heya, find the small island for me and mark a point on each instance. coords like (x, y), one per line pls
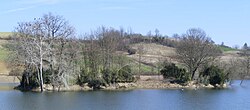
(125, 55)
(46, 54)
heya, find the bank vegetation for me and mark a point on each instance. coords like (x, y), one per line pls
(48, 53)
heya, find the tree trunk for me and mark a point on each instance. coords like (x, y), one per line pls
(41, 75)
(192, 77)
(41, 68)
(193, 73)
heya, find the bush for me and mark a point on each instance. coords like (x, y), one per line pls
(47, 77)
(92, 81)
(96, 83)
(172, 71)
(125, 74)
(109, 76)
(131, 51)
(215, 75)
(28, 82)
(83, 78)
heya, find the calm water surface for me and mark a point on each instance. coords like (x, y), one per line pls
(235, 98)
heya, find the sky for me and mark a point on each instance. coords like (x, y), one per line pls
(225, 21)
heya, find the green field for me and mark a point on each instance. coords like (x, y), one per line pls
(226, 49)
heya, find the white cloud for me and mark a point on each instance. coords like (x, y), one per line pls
(18, 9)
(116, 8)
(37, 2)
(28, 4)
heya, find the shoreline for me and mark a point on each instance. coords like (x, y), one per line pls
(143, 83)
(130, 86)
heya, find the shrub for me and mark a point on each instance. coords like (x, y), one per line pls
(215, 75)
(47, 76)
(96, 83)
(83, 77)
(92, 81)
(108, 76)
(125, 74)
(172, 71)
(28, 82)
(131, 51)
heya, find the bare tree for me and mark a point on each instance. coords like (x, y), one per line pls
(91, 55)
(108, 43)
(232, 68)
(57, 31)
(31, 38)
(39, 41)
(245, 62)
(194, 49)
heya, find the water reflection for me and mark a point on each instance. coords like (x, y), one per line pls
(235, 98)
(7, 86)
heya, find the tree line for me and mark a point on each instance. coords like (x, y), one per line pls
(47, 51)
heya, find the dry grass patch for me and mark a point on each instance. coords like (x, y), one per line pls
(155, 49)
(3, 69)
(5, 34)
(153, 53)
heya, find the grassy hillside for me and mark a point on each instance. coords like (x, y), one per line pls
(5, 34)
(151, 55)
(3, 52)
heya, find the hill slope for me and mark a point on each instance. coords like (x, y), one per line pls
(3, 53)
(154, 53)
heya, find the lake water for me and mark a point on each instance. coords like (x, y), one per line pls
(235, 98)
